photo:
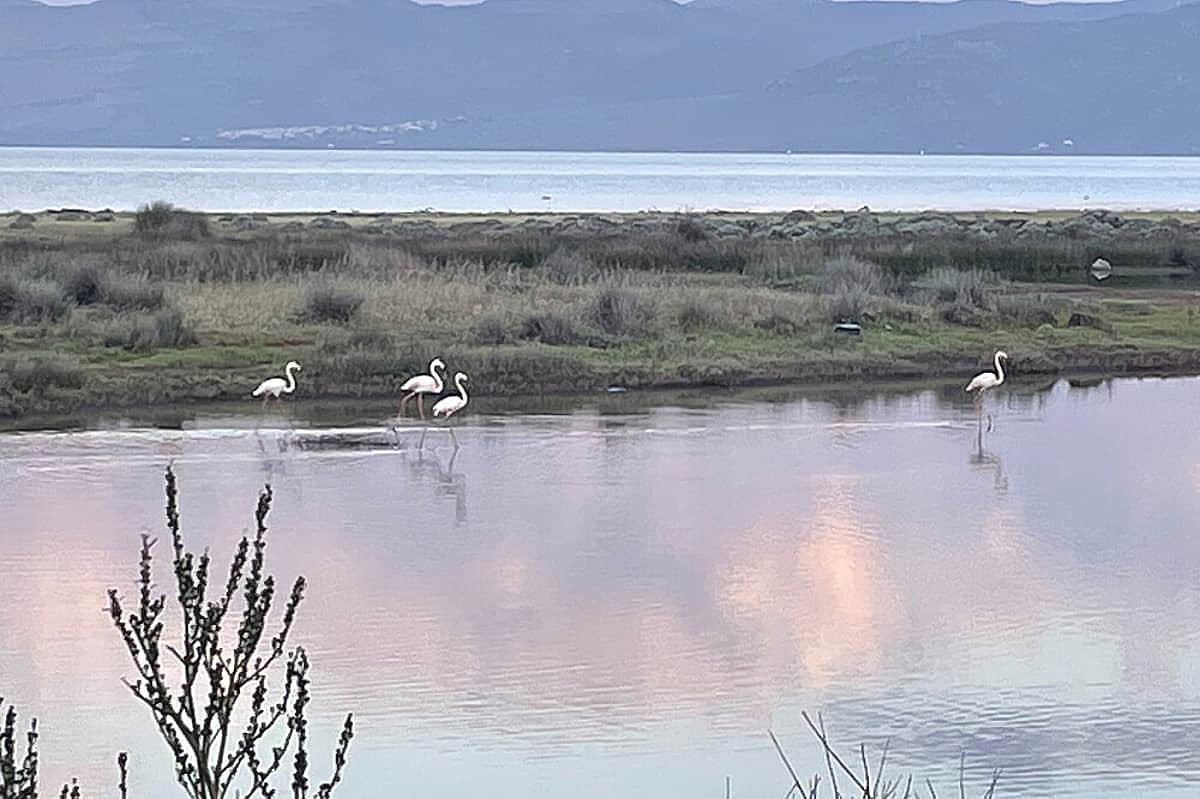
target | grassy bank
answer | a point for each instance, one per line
(110, 310)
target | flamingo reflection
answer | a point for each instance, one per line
(448, 482)
(984, 460)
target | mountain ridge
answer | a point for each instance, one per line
(503, 74)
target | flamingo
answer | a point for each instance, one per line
(985, 381)
(421, 385)
(273, 387)
(448, 406)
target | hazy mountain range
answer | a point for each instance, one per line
(971, 76)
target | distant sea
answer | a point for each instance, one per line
(33, 179)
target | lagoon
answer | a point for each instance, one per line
(620, 596)
(33, 179)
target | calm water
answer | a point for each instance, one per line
(620, 600)
(266, 180)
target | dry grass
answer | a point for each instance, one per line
(436, 303)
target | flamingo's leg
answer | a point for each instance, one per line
(453, 437)
(421, 405)
(424, 433)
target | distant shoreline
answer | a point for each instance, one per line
(359, 217)
(1060, 212)
(261, 146)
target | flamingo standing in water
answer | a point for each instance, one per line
(448, 406)
(421, 385)
(274, 387)
(985, 381)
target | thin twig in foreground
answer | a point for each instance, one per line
(829, 761)
(833, 754)
(783, 757)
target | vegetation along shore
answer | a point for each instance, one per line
(106, 310)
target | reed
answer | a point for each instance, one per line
(854, 775)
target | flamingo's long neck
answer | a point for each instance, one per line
(461, 389)
(291, 386)
(999, 370)
(438, 385)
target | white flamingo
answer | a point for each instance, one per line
(273, 387)
(448, 406)
(985, 381)
(421, 385)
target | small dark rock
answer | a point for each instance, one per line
(1087, 320)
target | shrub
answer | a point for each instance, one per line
(490, 330)
(550, 328)
(617, 312)
(153, 218)
(42, 374)
(83, 284)
(88, 285)
(330, 304)
(145, 332)
(18, 774)
(848, 303)
(229, 669)
(971, 288)
(691, 230)
(161, 219)
(24, 301)
(697, 314)
(566, 266)
(312, 256)
(126, 293)
(849, 274)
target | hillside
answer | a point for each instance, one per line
(579, 74)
